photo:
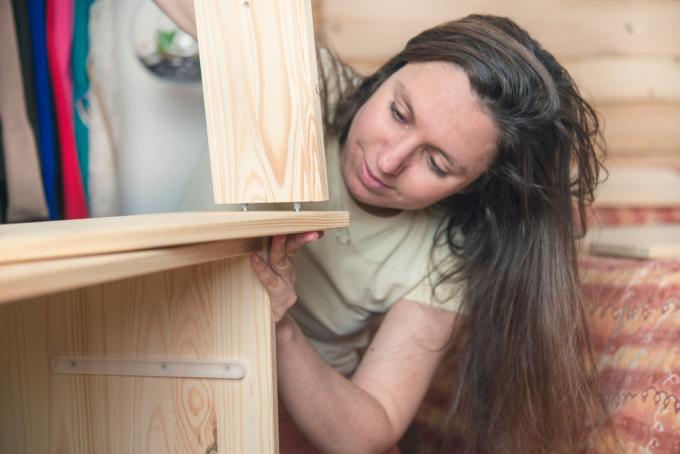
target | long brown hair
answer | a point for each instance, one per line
(526, 374)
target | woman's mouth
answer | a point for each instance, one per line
(369, 179)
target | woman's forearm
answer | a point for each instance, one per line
(336, 415)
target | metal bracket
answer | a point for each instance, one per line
(152, 367)
(297, 207)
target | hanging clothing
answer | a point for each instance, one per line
(59, 38)
(24, 43)
(103, 114)
(81, 85)
(3, 182)
(26, 197)
(49, 163)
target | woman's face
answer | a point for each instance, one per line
(421, 137)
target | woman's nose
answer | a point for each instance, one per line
(394, 158)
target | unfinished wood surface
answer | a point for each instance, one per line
(210, 311)
(639, 187)
(625, 79)
(568, 28)
(262, 104)
(40, 277)
(646, 129)
(646, 242)
(54, 239)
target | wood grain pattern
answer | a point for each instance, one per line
(262, 102)
(34, 278)
(651, 129)
(639, 187)
(55, 239)
(212, 311)
(645, 242)
(570, 29)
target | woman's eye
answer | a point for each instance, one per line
(435, 168)
(396, 114)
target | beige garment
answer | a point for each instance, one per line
(25, 193)
(351, 276)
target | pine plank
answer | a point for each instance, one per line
(39, 277)
(639, 187)
(642, 129)
(570, 29)
(645, 242)
(216, 310)
(54, 239)
(262, 102)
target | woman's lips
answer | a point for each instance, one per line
(369, 179)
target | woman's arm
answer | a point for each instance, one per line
(181, 12)
(369, 412)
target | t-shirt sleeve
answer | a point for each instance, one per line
(447, 295)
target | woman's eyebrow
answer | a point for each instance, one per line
(457, 167)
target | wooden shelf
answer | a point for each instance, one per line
(59, 239)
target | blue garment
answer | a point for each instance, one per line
(43, 90)
(81, 86)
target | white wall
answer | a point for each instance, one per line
(162, 128)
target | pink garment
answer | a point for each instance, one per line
(59, 39)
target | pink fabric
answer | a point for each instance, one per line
(59, 39)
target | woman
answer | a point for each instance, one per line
(460, 160)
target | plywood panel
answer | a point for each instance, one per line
(262, 100)
(215, 310)
(567, 28)
(45, 240)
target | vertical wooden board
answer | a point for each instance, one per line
(216, 310)
(247, 419)
(262, 103)
(24, 422)
(160, 315)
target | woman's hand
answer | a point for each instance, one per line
(277, 274)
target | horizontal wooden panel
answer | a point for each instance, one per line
(646, 242)
(612, 79)
(649, 186)
(35, 278)
(54, 239)
(566, 28)
(642, 129)
(627, 79)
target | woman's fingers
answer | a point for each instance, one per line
(296, 241)
(276, 272)
(277, 252)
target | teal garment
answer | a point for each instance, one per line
(81, 86)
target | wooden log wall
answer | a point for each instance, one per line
(624, 55)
